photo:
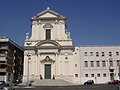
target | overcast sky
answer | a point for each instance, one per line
(91, 22)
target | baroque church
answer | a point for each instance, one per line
(49, 53)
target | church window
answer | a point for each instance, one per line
(48, 34)
(66, 57)
(75, 65)
(76, 75)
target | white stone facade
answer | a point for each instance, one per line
(50, 54)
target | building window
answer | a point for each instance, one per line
(3, 66)
(86, 63)
(103, 54)
(76, 75)
(111, 63)
(118, 63)
(92, 75)
(97, 63)
(86, 75)
(48, 34)
(110, 53)
(85, 53)
(117, 53)
(66, 57)
(98, 75)
(75, 65)
(91, 53)
(103, 63)
(92, 64)
(97, 54)
(104, 74)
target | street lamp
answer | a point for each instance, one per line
(28, 44)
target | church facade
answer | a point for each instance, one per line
(50, 54)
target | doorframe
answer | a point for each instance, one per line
(45, 71)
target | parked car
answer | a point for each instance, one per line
(114, 82)
(89, 82)
(8, 87)
(2, 83)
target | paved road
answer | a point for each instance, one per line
(82, 87)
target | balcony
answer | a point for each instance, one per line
(2, 55)
(3, 59)
(3, 48)
(3, 70)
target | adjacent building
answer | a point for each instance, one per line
(50, 54)
(11, 60)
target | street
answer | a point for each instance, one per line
(81, 87)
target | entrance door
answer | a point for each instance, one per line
(47, 71)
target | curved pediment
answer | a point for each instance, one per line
(48, 43)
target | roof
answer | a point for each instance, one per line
(54, 15)
(6, 39)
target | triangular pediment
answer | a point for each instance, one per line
(48, 13)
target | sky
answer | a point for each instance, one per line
(91, 22)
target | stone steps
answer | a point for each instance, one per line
(48, 82)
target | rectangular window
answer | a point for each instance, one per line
(92, 64)
(111, 63)
(117, 53)
(103, 63)
(86, 75)
(103, 54)
(110, 53)
(75, 65)
(91, 53)
(97, 63)
(76, 75)
(118, 63)
(92, 75)
(97, 54)
(98, 75)
(86, 63)
(104, 74)
(48, 34)
(85, 53)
